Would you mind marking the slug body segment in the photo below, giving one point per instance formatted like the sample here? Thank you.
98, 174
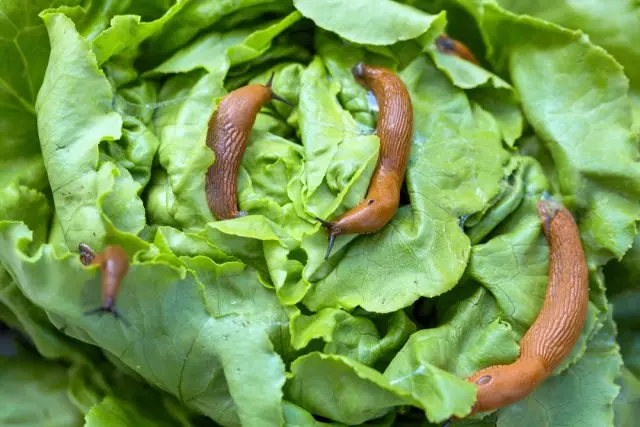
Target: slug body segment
228, 130
446, 44
395, 129
114, 266
558, 325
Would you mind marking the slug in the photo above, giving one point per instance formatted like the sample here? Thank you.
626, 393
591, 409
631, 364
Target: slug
446, 44
114, 265
394, 128
227, 134
558, 325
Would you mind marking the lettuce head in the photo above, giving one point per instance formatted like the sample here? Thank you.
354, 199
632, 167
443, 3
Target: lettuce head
104, 108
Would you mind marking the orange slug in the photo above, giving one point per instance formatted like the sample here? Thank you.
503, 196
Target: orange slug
395, 128
558, 325
446, 44
114, 265
227, 135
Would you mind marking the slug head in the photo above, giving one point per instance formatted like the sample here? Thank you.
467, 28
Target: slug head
87, 254
275, 95
444, 43
547, 210
333, 230
364, 74
502, 385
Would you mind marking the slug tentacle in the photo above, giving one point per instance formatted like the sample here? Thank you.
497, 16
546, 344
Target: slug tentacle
108, 309
228, 131
333, 230
394, 129
558, 325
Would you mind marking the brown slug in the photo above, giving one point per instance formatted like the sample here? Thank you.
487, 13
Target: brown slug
446, 44
228, 130
395, 129
114, 265
558, 326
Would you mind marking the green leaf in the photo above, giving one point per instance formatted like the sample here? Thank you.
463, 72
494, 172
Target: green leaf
208, 52
471, 336
387, 23
628, 320
295, 416
217, 52
614, 26
356, 337
568, 116
331, 137
19, 203
200, 14
24, 48
360, 393
489, 90
31, 320
127, 32
113, 411
34, 393
212, 361
622, 275
455, 169
627, 404
74, 115
181, 128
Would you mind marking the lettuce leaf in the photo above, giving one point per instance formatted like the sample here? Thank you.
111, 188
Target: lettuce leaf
423, 248
613, 25
243, 322
389, 22
70, 132
34, 392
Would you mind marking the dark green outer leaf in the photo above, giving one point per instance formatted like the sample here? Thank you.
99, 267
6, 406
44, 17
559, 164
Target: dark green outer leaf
34, 393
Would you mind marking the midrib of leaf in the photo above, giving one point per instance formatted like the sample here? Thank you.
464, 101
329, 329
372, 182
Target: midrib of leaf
27, 106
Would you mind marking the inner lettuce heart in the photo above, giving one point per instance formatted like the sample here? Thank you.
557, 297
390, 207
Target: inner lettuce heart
104, 108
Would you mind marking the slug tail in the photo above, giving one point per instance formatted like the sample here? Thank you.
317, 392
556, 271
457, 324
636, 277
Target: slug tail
447, 423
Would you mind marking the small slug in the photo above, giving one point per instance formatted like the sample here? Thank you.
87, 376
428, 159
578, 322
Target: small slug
558, 325
395, 128
446, 44
227, 134
114, 265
